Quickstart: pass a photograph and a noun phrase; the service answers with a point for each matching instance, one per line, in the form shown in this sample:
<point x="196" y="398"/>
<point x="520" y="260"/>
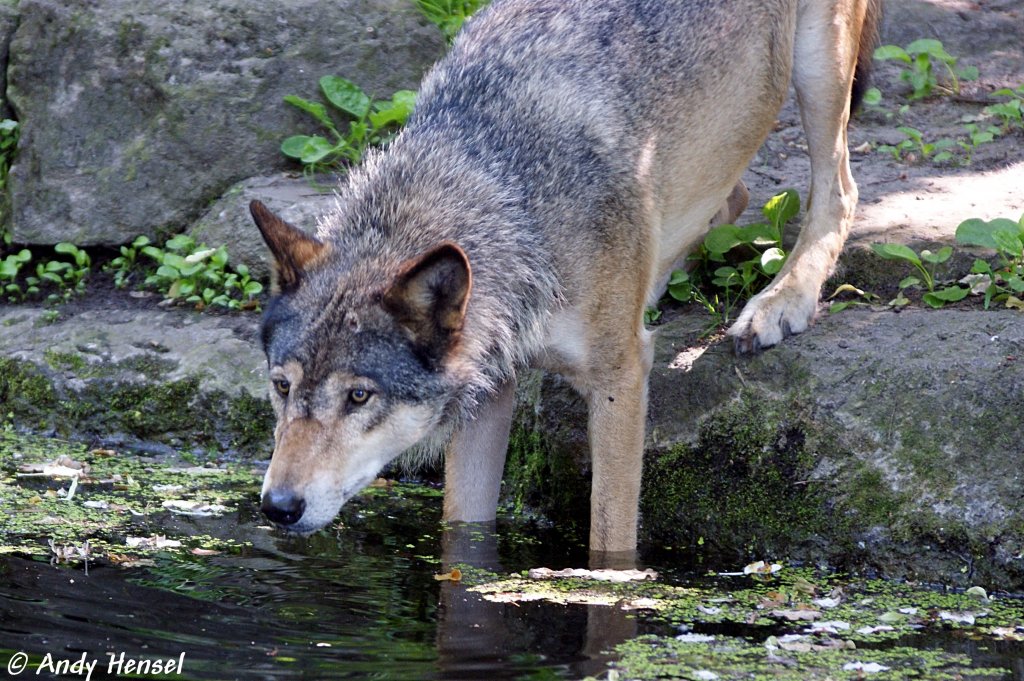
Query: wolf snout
<point x="283" y="507"/>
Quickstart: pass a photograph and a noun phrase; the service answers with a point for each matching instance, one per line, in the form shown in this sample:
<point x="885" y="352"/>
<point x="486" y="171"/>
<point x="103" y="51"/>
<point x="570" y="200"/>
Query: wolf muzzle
<point x="283" y="507"/>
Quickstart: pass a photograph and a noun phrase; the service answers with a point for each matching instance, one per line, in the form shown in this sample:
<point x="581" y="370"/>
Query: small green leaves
<point x="345" y="96"/>
<point x="308" y="149"/>
<point x="772" y="260"/>
<point x="919" y="59"/>
<point x="947" y="295"/>
<point x="315" y="109"/>
<point x="371" y="122"/>
<point x="196" y="274"/>
<point x="999" y="234"/>
<point x="896" y="252"/>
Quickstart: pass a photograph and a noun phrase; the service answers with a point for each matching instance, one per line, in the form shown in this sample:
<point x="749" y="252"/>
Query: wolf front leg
<point x="618" y="419"/>
<point x="475" y="460"/>
<point x="827" y="39"/>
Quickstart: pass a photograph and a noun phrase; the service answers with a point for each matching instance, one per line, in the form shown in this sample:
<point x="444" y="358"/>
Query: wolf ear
<point x="293" y="249"/>
<point x="429" y="297"/>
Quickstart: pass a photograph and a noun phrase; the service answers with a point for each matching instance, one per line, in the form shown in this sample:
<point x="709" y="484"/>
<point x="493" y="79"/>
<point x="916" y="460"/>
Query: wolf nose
<point x="283" y="507"/>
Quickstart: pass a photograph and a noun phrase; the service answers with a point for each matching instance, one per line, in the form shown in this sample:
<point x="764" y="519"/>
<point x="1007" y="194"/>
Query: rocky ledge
<point x="875" y="440"/>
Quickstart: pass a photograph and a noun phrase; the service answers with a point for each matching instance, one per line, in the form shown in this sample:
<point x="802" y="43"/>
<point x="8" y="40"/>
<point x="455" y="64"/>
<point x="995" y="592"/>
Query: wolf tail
<point x="865" y="50"/>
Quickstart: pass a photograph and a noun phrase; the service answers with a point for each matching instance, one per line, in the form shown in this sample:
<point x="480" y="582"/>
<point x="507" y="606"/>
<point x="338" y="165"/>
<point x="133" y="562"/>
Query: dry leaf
<point x="154" y="542"/>
<point x="454" y="576"/>
<point x="193" y="508"/>
<point x="598" y="575"/>
<point x="204" y="552"/>
<point x="796" y="615"/>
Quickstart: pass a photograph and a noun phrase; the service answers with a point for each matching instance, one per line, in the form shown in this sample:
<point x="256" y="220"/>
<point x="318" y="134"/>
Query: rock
<point x="8" y="23"/>
<point x="163" y="106"/>
<point x="299" y="200"/>
<point x="146" y="378"/>
<point x="875" y="439"/>
<point x="899" y="451"/>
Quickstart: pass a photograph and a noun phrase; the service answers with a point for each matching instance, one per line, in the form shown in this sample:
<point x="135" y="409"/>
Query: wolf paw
<point x="770" y="316"/>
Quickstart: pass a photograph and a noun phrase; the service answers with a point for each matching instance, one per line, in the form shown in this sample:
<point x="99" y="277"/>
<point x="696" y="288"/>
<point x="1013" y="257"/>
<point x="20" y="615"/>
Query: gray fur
<point x="574" y="151"/>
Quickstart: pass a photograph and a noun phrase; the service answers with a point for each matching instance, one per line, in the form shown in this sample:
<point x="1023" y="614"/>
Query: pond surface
<point x="361" y="600"/>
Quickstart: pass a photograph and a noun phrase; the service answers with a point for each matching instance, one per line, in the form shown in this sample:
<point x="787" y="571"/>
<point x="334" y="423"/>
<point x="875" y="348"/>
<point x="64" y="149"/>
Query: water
<point x="359" y="602"/>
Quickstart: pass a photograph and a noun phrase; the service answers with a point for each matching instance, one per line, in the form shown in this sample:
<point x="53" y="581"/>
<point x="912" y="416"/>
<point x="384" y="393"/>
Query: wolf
<point x="560" y="161"/>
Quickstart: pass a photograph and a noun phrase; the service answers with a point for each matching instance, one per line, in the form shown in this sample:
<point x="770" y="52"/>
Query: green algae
<point x="134" y="399"/>
<point x="798" y="624"/>
<point x="725" y="658"/>
<point x="118" y="496"/>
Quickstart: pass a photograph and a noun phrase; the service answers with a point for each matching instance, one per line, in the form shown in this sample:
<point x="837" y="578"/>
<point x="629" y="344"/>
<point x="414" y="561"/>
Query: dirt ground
<point x="919" y="202"/>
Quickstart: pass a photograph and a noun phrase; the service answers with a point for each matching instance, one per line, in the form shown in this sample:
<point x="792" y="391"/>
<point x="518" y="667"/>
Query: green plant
<point x="10" y="268"/>
<point x="925" y="265"/>
<point x="200" y="275"/>
<point x="449" y="15"/>
<point x="918" y="68"/>
<point x="914" y="142"/>
<point x="733" y="263"/>
<point x="651" y="315"/>
<point x="975" y="138"/>
<point x="74" y="274"/>
<point x="371" y="122"/>
<point x="1011" y="111"/>
<point x="862" y="298"/>
<point x="1005" y="281"/>
<point x="123" y="266"/>
<point x="8" y="145"/>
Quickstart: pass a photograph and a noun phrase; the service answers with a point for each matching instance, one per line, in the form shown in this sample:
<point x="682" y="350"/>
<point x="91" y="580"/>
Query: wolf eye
<point x="282" y="386"/>
<point x="358" y="396"/>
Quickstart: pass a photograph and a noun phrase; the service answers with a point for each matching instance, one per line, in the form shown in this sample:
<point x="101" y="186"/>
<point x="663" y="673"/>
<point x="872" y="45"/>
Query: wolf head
<point x="356" y="351"/>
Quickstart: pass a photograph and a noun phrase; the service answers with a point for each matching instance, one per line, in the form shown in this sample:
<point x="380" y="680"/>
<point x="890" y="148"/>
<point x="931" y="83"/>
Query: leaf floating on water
<point x="62" y="467"/>
<point x="978" y="592"/>
<point x="598" y="575"/>
<point x="756" y="568"/>
<point x="1008" y="633"/>
<point x="867" y="631"/>
<point x="867" y="668"/>
<point x="154" y="542"/>
<point x="193" y="508"/>
<point x="69" y="552"/>
<point x="832" y="627"/>
<point x="695" y="638"/>
<point x="892" y="617"/>
<point x="454" y="576"/>
<point x="959" y="617"/>
<point x="126" y="561"/>
<point x="198" y="470"/>
<point x="796" y="615"/>
<point x="204" y="552"/>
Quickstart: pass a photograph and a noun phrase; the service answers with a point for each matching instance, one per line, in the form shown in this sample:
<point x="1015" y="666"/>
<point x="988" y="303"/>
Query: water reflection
<point x="358" y="602"/>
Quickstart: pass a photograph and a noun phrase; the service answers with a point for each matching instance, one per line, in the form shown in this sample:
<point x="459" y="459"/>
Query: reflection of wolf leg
<point x="475" y="459"/>
<point x="825" y="56"/>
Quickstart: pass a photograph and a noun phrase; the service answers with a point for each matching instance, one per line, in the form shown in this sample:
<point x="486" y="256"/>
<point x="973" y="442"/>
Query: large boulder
<point x="136" y="114"/>
<point x="874" y="439"/>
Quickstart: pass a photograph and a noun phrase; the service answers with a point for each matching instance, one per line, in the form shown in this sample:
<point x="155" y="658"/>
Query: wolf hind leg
<point x="827" y="38"/>
<point x="475" y="459"/>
